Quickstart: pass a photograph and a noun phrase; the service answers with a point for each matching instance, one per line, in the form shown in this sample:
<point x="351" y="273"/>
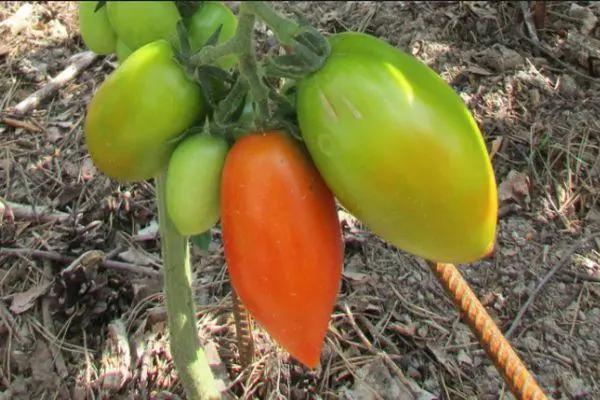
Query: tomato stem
<point x="284" y="29"/>
<point x="188" y="356"/>
<point x="249" y="67"/>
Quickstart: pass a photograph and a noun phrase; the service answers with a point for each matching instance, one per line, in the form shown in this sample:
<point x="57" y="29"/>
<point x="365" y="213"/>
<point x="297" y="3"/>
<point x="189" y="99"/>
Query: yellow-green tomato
<point x="123" y="51"/>
<point x="193" y="183"/>
<point x="140" y="22"/>
<point x="96" y="31"/>
<point x="204" y="22"/>
<point x="139" y="111"/>
<point x="400" y="150"/>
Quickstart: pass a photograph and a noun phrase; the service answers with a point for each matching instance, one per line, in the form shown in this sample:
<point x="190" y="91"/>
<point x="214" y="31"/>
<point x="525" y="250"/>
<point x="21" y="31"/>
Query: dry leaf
<point x="88" y="170"/>
<point x="148" y="233"/>
<point x="23" y="301"/>
<point x="496" y="143"/>
<point x="515" y="187"/>
<point x="136" y="256"/>
<point x="476" y="70"/>
<point x="375" y="381"/>
<point x="357" y="277"/>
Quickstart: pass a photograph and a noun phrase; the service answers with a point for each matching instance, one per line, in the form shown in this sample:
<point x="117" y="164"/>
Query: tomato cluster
<point x="379" y="131"/>
<point x="122" y="27"/>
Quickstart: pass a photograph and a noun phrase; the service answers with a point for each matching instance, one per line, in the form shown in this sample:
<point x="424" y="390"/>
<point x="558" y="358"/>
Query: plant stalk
<point x="188" y="356"/>
<point x="283" y="28"/>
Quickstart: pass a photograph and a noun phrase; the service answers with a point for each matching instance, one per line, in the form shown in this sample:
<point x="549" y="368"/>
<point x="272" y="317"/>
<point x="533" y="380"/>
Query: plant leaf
<point x="202" y="240"/>
<point x="99" y="5"/>
<point x="216" y="73"/>
<point x="214" y="38"/>
<point x="184" y="39"/>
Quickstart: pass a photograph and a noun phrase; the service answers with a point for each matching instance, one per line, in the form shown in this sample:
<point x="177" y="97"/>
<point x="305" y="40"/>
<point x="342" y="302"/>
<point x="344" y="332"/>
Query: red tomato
<point x="282" y="241"/>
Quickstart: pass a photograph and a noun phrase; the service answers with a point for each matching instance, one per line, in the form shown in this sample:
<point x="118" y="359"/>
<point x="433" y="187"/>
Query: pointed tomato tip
<point x="490" y="250"/>
<point x="310" y="363"/>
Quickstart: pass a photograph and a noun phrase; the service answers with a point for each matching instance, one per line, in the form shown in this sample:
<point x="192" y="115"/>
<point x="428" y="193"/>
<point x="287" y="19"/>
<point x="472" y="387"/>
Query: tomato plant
<point x="193" y="181"/>
<point x="400" y="150"/>
<point x="383" y="133"/>
<point x="96" y="31"/>
<point x="282" y="240"/>
<point x="138" y="111"/>
<point x="205" y="21"/>
<point x="140" y="22"/>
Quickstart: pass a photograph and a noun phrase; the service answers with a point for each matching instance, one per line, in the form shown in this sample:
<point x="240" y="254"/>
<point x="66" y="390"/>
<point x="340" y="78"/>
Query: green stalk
<point x="188" y="356"/>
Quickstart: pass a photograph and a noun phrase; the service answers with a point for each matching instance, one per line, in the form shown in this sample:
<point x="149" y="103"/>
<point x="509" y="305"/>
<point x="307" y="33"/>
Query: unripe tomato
<point x="140" y="22"/>
<point x="193" y="183"/>
<point x="282" y="240"/>
<point x="96" y="31"/>
<point x="400" y="150"/>
<point x="122" y="50"/>
<point x="138" y="111"/>
<point x="204" y="22"/>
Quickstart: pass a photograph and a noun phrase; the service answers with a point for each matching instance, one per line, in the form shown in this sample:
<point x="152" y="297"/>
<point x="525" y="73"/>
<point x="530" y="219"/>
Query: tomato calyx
<point x="188" y="8"/>
<point x="100" y="4"/>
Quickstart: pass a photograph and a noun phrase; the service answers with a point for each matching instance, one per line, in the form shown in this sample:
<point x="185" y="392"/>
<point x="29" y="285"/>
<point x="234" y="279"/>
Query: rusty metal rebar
<point x="243" y="331"/>
<point x="522" y="384"/>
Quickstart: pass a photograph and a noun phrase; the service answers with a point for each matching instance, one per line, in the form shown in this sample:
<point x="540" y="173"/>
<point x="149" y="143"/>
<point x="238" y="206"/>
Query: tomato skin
<point x="122" y="50"/>
<point x="193" y="183"/>
<point x="96" y="31"/>
<point x="140" y="22"/>
<point x="282" y="240"/>
<point x="204" y="22"/>
<point x="400" y="150"/>
<point x="130" y="126"/>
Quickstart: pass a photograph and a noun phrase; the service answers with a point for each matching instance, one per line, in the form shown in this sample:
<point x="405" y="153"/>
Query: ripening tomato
<point x="400" y="150"/>
<point x="140" y="22"/>
<point x="96" y="31"/>
<point x="193" y="183"/>
<point x="122" y="50"/>
<point x="138" y="112"/>
<point x="205" y="21"/>
<point x="282" y="240"/>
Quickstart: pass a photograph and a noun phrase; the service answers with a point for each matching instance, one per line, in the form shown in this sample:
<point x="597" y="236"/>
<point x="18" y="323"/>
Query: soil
<point x="99" y="330"/>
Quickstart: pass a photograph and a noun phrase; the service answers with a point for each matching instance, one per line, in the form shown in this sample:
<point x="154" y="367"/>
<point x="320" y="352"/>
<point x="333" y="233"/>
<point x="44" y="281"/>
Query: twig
<point x="108" y="264"/>
<point x="530" y="25"/>
<point x="31" y="212"/>
<point x="576" y="312"/>
<point x="59" y="361"/>
<point x="16" y="123"/>
<point x="10" y="322"/>
<point x="81" y="62"/>
<point x="414" y="390"/>
<point x="578" y="276"/>
<point x="544" y="281"/>
<point x="563" y="64"/>
<point x="539" y="13"/>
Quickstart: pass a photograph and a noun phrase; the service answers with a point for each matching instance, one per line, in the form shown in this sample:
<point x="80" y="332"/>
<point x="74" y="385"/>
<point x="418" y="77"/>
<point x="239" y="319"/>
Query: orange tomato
<point x="282" y="240"/>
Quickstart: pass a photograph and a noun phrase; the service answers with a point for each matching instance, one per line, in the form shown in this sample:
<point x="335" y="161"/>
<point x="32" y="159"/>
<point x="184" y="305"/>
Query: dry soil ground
<point x="99" y="332"/>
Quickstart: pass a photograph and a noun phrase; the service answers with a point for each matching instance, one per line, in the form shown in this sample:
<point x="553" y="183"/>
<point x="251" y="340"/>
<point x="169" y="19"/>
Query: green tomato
<point x="193" y="182"/>
<point x="204" y="22"/>
<point x="123" y="51"/>
<point x="140" y="22"/>
<point x="96" y="31"/>
<point x="400" y="150"/>
<point x="138" y="112"/>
